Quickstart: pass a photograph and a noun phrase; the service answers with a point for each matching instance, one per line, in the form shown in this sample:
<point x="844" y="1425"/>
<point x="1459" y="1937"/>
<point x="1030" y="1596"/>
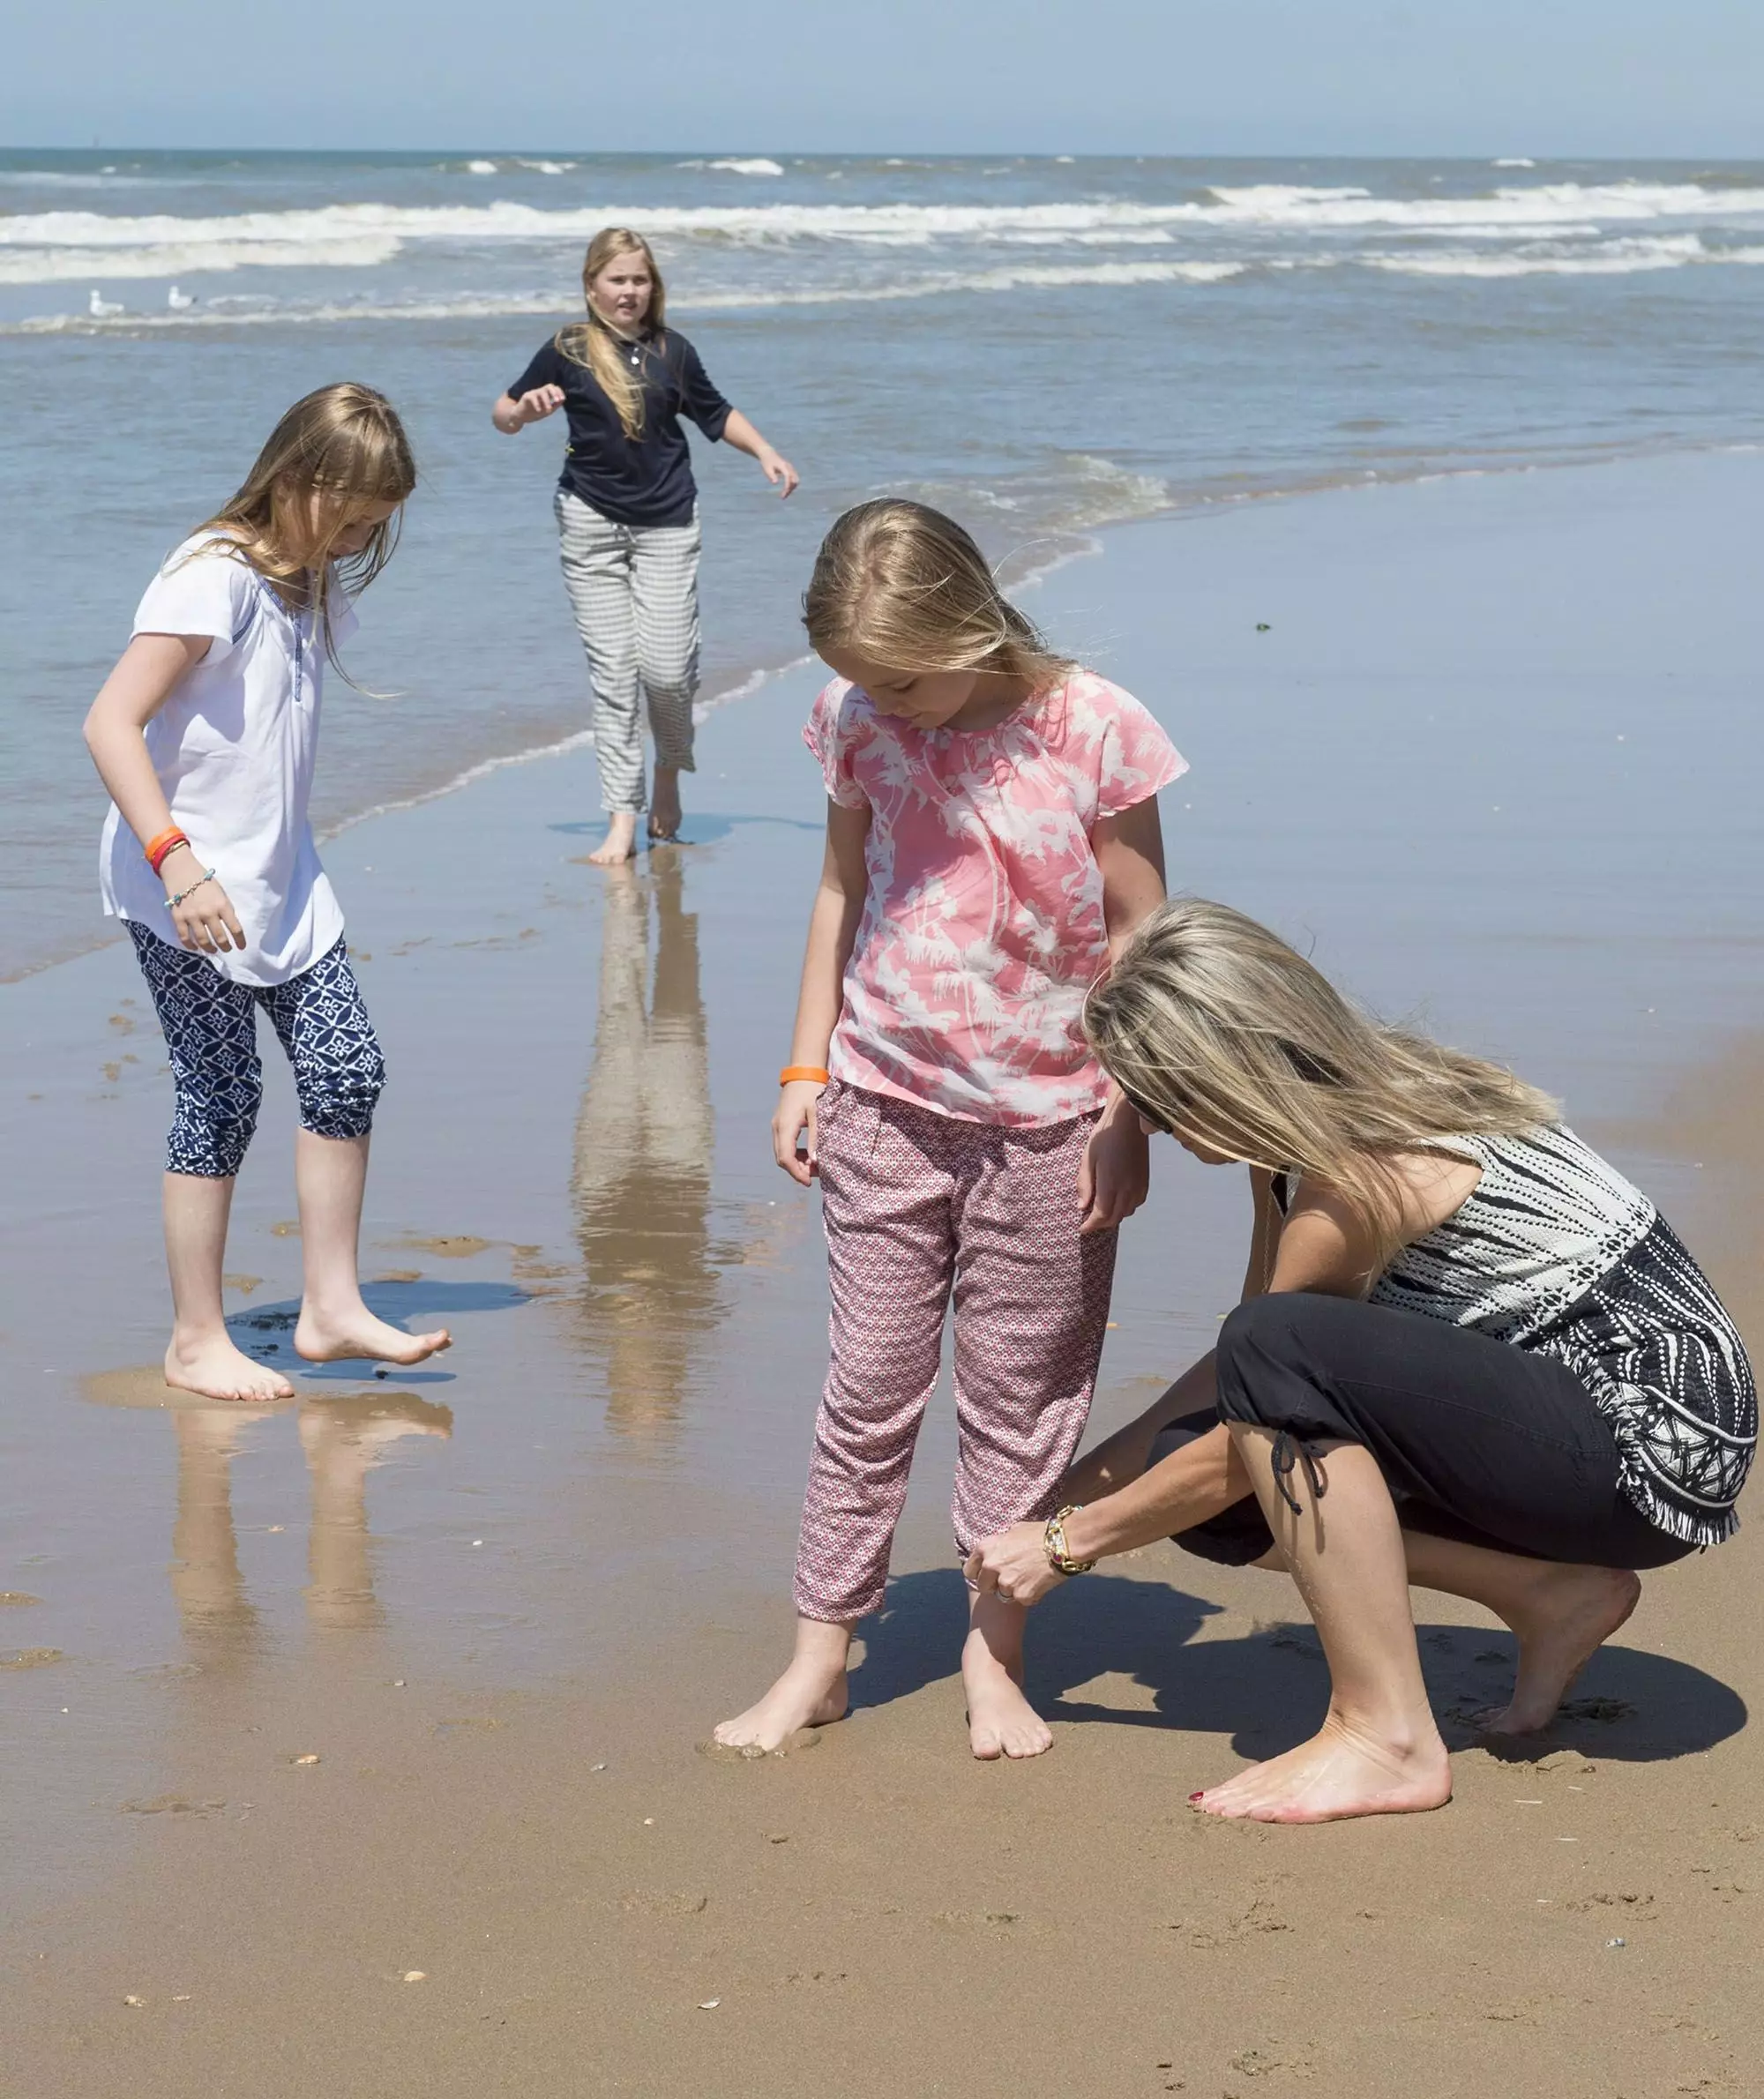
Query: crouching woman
<point x="1471" y="1356"/>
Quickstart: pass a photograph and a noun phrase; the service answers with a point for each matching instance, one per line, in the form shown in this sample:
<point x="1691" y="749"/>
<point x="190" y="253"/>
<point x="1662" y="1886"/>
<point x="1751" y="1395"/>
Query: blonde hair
<point x="1215" y="1028"/>
<point x="597" y="348"/>
<point x="907" y="587"/>
<point x="344" y="443"/>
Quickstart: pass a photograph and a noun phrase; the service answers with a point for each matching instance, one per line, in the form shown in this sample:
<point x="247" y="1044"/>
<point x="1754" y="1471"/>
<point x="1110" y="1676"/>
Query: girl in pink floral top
<point x="993" y="836"/>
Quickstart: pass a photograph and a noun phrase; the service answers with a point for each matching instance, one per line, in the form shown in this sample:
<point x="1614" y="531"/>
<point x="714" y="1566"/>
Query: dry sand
<point x="385" y="1784"/>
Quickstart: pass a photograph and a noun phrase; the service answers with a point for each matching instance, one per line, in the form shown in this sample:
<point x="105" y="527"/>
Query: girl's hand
<point x="798" y="1108"/>
<point x="1014" y="1564"/>
<point x="206" y="921"/>
<point x="540" y="403"/>
<point x="777" y="468"/>
<point x="1116" y="1175"/>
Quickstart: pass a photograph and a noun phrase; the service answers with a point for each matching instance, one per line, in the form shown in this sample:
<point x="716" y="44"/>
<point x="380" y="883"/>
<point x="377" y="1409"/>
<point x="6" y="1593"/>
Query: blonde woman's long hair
<point x="599" y="348"/>
<point x="1215" y="1028"/>
<point x="345" y="446"/>
<point x="906" y="587"/>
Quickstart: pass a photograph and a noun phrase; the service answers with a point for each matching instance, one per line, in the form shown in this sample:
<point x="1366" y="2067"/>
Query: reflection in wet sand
<point x="342" y="1440"/>
<point x="206" y="1584"/>
<point x="644" y="1143"/>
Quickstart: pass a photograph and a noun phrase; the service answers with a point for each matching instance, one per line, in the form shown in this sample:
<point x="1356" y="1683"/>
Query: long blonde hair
<point x="599" y="348"/>
<point x="345" y="444"/>
<point x="906" y="587"/>
<point x="1215" y="1028"/>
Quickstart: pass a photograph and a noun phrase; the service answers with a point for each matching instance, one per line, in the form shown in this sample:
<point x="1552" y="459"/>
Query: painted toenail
<point x="1192" y="1797"/>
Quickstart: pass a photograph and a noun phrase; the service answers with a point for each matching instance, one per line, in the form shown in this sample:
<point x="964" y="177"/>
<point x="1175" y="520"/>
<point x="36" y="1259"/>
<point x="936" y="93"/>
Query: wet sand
<point x="403" y="1679"/>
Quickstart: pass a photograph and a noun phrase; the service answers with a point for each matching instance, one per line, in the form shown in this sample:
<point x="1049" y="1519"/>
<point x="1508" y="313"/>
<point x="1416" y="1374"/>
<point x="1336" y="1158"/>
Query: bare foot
<point x="1573" y="1611"/>
<point x="1001" y="1722"/>
<point x="363" y="1337"/>
<point x="620" y="842"/>
<point x="664" y="806"/>
<point x="214" y="1368"/>
<point x="809" y="1694"/>
<point x="1341" y="1771"/>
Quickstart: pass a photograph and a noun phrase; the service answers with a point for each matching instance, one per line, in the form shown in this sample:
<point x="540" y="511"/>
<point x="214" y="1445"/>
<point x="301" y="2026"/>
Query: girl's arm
<point x="511" y="416"/>
<point x="739" y="432"/>
<point x="147" y="676"/>
<point x="833" y="929"/>
<point x="1116" y="1175"/>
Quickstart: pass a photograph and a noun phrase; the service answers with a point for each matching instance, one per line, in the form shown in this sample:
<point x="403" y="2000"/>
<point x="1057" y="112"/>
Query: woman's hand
<point x="1014" y="1564"/>
<point x="777" y="468"/>
<point x="798" y="1111"/>
<point x="1116" y="1175"/>
<point x="206" y="921"/>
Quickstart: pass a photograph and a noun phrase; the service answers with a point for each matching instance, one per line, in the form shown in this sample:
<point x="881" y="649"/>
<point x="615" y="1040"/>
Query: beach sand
<point x="352" y="1742"/>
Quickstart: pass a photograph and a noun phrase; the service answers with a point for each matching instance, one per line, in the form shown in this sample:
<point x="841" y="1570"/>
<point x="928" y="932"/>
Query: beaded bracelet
<point x="172" y="902"/>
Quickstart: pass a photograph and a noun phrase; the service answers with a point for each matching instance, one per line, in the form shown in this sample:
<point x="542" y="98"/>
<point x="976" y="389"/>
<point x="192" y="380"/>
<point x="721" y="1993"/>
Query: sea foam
<point x="1554" y="206"/>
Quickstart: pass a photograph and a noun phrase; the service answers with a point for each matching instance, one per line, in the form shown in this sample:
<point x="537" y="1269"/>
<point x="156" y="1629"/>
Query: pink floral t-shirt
<point x="983" y="929"/>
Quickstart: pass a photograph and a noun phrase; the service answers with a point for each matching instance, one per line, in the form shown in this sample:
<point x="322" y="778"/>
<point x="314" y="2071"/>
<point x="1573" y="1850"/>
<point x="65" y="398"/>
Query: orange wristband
<point x="161" y="848"/>
<point x="814" y="1074"/>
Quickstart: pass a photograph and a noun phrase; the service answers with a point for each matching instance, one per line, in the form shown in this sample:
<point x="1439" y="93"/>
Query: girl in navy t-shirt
<point x="627" y="517"/>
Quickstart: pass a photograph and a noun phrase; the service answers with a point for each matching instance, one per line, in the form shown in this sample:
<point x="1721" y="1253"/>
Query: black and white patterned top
<point x="1554" y="1250"/>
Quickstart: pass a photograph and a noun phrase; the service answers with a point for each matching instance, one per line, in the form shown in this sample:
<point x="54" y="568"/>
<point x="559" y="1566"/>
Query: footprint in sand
<point x="721" y="1752"/>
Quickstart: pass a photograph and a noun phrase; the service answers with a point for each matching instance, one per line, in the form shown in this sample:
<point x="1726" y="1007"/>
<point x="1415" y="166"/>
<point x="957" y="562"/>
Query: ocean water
<point x="1044" y="347"/>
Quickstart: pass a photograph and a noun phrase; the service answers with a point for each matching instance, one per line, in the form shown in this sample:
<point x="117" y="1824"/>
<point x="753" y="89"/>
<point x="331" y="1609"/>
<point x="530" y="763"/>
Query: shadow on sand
<point x="265" y="1332"/>
<point x="1268" y="1691"/>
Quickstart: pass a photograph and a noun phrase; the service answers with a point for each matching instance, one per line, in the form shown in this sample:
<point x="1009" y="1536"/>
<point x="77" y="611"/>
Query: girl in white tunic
<point x="206" y="735"/>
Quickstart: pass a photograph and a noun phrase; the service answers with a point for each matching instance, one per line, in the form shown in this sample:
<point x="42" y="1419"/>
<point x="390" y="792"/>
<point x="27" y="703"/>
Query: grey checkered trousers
<point x="634" y="591"/>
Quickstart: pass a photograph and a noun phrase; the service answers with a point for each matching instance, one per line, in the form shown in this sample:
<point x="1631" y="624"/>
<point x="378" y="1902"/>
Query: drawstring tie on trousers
<point x="1289" y="1450"/>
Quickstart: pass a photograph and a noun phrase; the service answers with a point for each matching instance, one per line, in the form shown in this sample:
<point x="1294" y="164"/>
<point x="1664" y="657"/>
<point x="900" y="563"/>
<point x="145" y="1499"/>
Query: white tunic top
<point x="234" y="747"/>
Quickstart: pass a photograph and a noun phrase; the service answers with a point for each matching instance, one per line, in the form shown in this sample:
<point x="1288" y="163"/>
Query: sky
<point x="1572" y="78"/>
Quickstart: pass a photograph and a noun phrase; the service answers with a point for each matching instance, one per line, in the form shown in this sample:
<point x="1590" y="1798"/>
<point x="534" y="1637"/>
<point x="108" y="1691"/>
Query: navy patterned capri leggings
<point x="211" y="1029"/>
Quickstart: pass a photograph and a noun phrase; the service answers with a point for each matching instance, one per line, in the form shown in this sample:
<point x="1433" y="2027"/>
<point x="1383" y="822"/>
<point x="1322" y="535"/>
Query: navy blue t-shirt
<point x="645" y="480"/>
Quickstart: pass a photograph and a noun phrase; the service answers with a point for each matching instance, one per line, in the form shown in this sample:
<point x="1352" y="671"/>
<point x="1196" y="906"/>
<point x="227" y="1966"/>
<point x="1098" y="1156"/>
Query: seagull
<point x="99" y="308"/>
<point x="178" y="301"/>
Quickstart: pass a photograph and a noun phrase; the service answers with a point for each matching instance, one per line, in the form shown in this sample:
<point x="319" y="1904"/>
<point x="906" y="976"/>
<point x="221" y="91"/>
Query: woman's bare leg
<point x="1560" y="1615"/>
<point x="1378" y="1750"/>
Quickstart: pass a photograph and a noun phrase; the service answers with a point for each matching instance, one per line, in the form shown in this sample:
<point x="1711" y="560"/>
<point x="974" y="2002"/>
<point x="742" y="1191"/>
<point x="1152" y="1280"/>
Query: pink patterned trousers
<point x="919" y="1207"/>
